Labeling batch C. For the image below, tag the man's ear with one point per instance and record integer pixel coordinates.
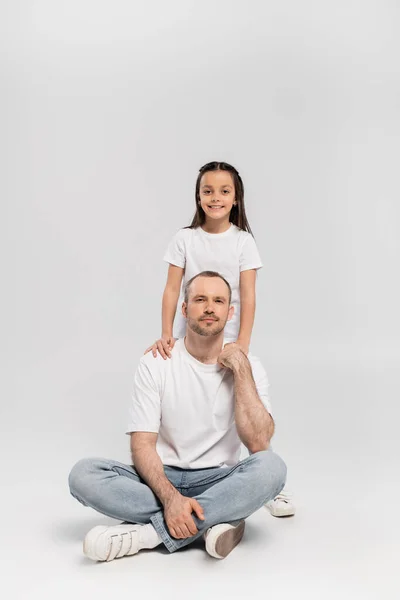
(184, 309)
(230, 312)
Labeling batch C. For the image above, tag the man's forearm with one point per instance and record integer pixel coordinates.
(254, 424)
(149, 466)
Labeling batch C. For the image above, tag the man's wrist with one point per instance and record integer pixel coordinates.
(242, 365)
(168, 495)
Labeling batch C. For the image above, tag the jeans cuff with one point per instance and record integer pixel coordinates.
(159, 526)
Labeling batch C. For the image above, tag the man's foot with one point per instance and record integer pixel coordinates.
(221, 539)
(281, 505)
(107, 543)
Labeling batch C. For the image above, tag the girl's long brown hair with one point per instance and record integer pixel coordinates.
(238, 214)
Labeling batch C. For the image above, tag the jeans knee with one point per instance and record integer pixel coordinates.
(273, 470)
(78, 475)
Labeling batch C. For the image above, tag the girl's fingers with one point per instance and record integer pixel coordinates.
(161, 350)
(152, 348)
(166, 348)
(163, 347)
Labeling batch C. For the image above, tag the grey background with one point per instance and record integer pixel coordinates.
(108, 111)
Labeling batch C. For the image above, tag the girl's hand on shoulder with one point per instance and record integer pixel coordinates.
(164, 346)
(244, 346)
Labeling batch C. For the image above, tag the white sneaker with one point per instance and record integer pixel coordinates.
(107, 543)
(281, 505)
(221, 539)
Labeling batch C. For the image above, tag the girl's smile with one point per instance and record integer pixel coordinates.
(217, 195)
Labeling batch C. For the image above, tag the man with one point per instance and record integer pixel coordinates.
(188, 418)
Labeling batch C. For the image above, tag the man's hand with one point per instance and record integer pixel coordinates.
(178, 516)
(232, 356)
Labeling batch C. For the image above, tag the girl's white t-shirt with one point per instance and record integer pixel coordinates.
(191, 406)
(229, 253)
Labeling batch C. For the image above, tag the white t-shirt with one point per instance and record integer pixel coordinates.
(191, 407)
(229, 253)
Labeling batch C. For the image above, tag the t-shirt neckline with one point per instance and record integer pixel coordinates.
(212, 368)
(217, 235)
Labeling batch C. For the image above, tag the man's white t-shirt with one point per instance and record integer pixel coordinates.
(191, 406)
(229, 253)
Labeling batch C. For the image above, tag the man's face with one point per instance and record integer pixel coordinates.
(208, 310)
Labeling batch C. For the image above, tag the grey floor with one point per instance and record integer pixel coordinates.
(342, 452)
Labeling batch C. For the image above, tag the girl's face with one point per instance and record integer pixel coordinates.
(217, 194)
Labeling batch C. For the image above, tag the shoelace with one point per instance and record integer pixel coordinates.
(121, 544)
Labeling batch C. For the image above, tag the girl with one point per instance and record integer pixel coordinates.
(218, 239)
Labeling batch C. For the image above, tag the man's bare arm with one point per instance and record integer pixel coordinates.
(149, 466)
(254, 424)
(177, 508)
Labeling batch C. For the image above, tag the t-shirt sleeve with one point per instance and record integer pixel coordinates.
(249, 256)
(175, 253)
(261, 381)
(145, 409)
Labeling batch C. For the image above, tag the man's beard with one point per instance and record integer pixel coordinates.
(196, 327)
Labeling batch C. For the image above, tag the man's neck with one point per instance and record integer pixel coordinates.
(203, 348)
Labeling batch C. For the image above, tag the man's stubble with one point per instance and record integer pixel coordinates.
(196, 327)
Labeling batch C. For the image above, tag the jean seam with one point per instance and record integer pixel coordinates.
(160, 528)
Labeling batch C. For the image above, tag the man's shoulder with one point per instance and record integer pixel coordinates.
(256, 364)
(157, 364)
(151, 363)
(254, 358)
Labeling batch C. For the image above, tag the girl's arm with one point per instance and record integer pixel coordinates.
(169, 303)
(247, 306)
(170, 299)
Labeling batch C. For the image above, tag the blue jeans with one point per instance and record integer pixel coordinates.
(226, 494)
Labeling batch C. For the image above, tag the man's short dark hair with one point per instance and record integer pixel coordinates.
(205, 274)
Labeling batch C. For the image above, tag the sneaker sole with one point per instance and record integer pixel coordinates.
(281, 513)
(227, 541)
